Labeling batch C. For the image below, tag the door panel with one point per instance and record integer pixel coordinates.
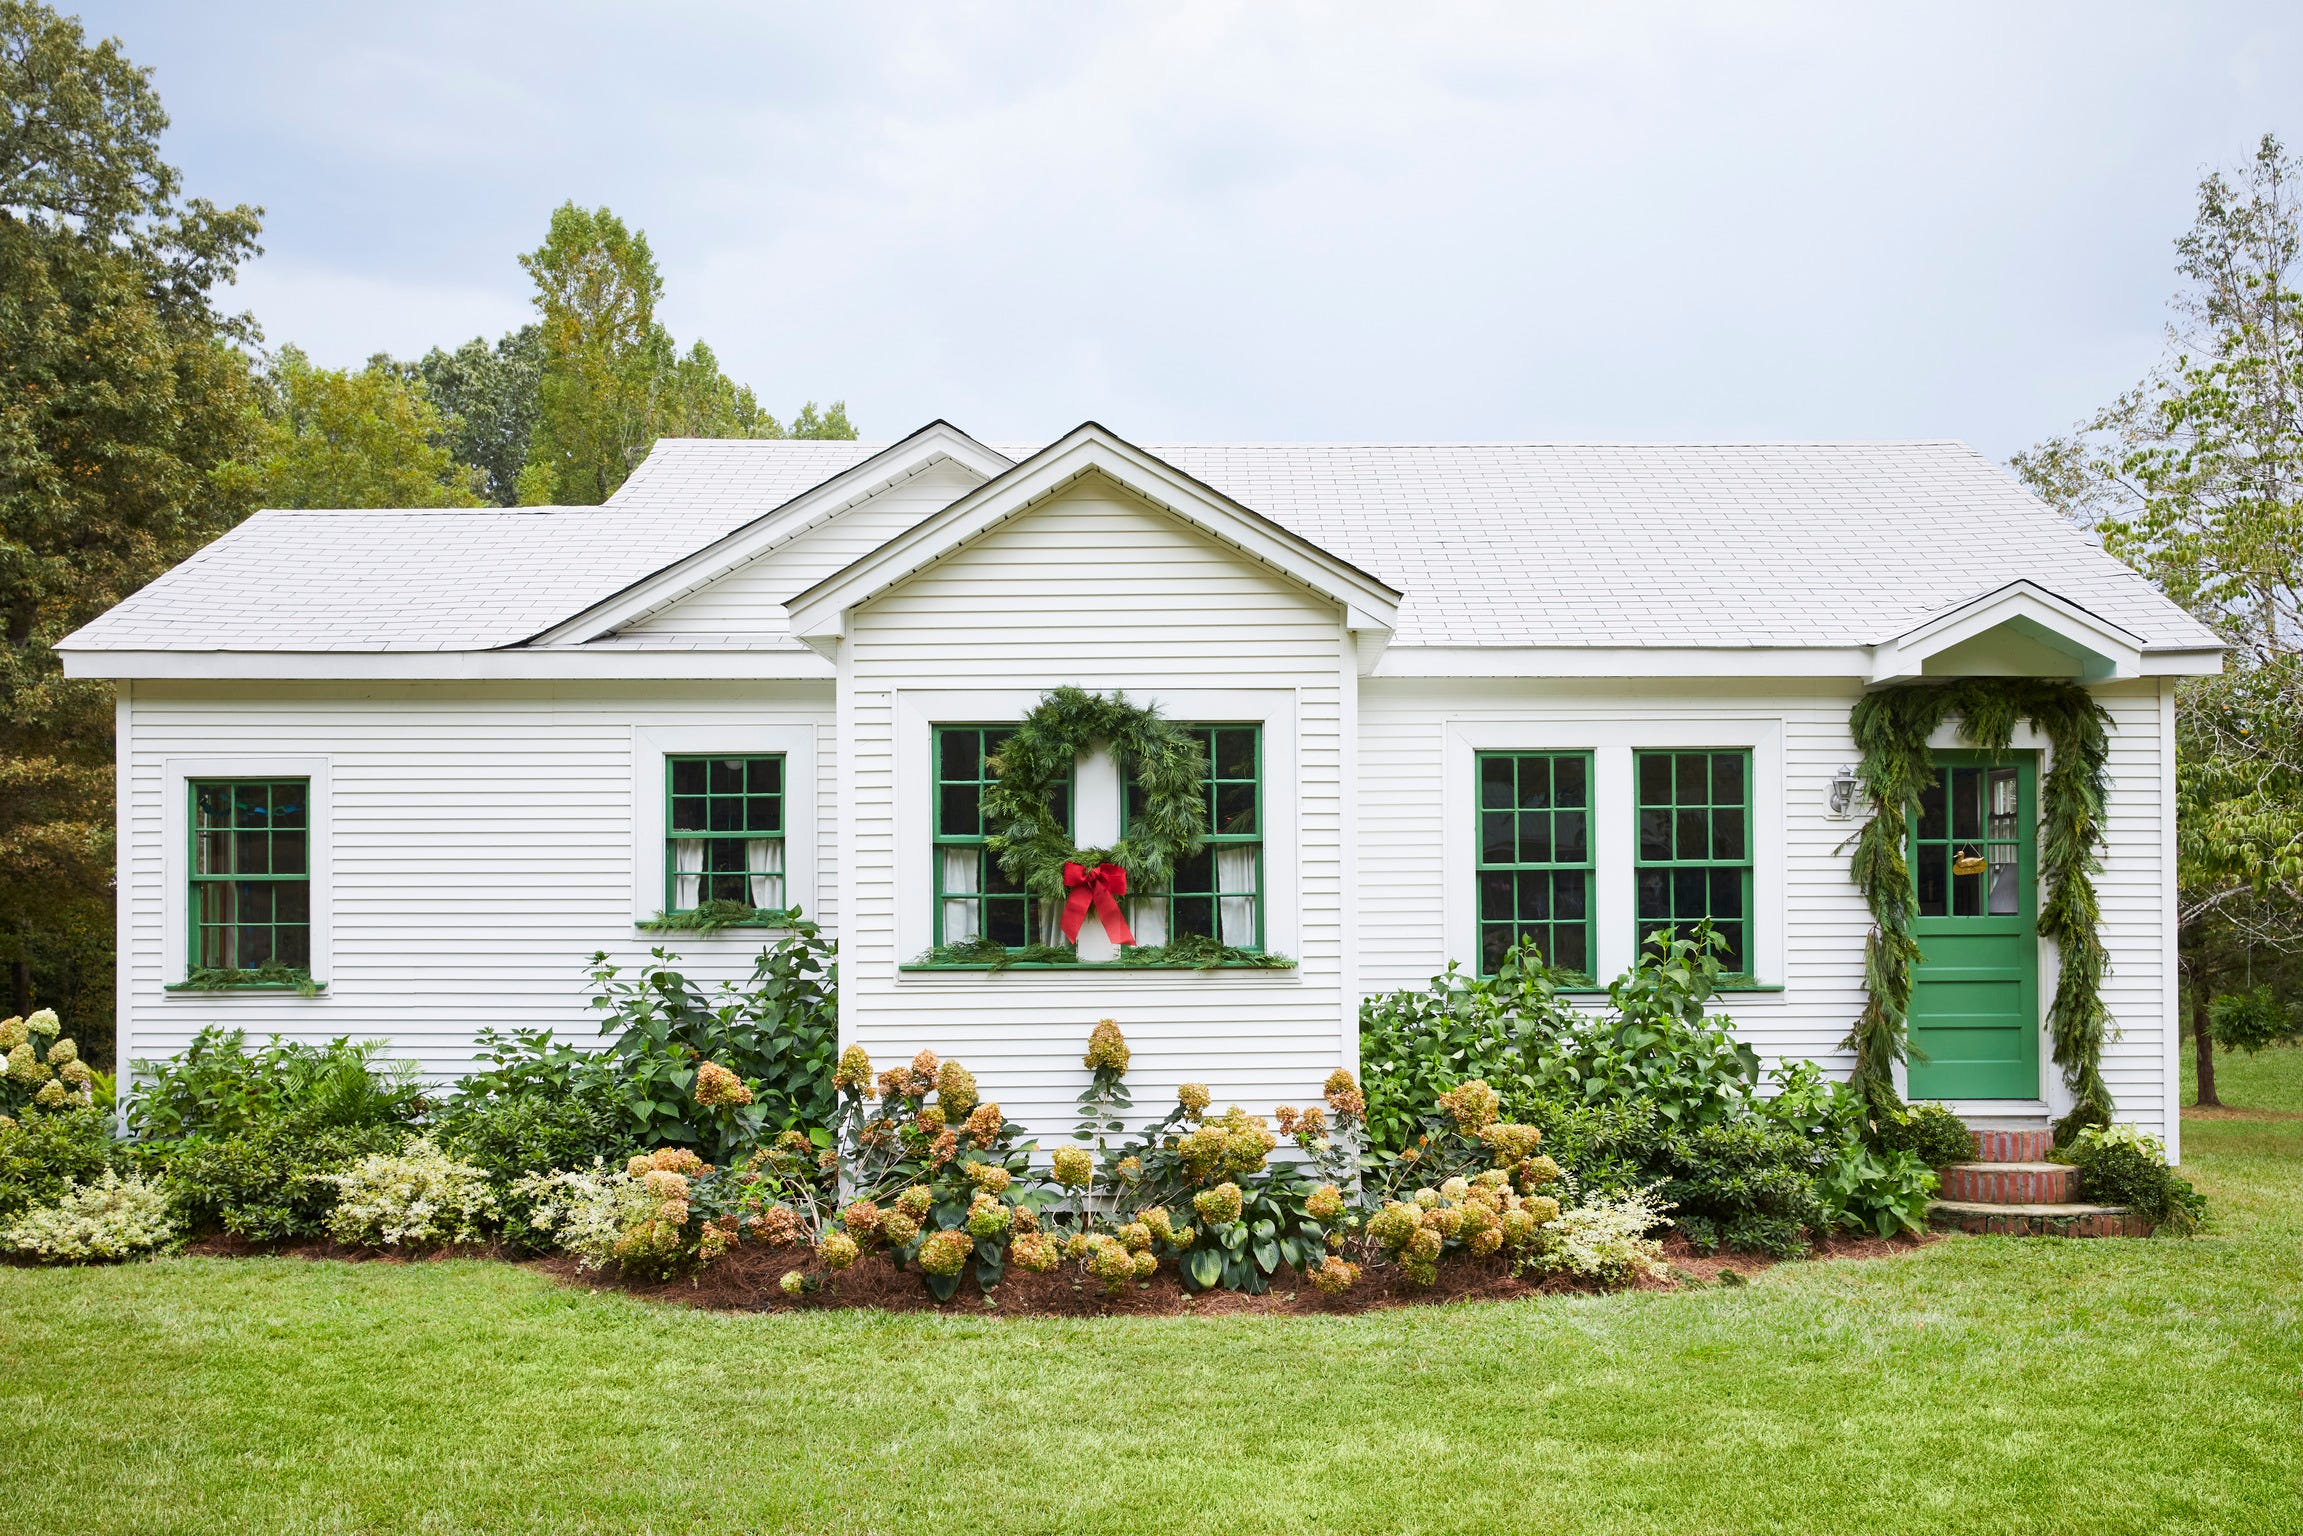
(1975, 989)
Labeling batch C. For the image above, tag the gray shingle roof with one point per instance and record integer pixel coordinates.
(1566, 544)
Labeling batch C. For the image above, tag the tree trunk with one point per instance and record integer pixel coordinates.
(2203, 1045)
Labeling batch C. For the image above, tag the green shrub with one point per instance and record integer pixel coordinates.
(1415, 1044)
(1929, 1132)
(1747, 1185)
(2249, 1021)
(2119, 1165)
(43, 1152)
(1606, 1150)
(539, 1106)
(269, 1184)
(1881, 1192)
(219, 1088)
(417, 1197)
(777, 1032)
(111, 1219)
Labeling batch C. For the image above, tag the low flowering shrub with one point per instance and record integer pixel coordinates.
(641, 1216)
(114, 1218)
(1605, 1240)
(2119, 1165)
(416, 1197)
(39, 1070)
(270, 1184)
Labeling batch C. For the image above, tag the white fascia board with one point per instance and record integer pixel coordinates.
(649, 663)
(852, 487)
(2106, 652)
(820, 613)
(1623, 661)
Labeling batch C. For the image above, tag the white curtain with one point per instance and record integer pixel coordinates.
(764, 864)
(1147, 919)
(961, 867)
(687, 873)
(1235, 908)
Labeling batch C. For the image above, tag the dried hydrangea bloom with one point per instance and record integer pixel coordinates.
(12, 1032)
(863, 1218)
(1311, 1123)
(1023, 1218)
(51, 1094)
(1446, 1220)
(854, 1073)
(1218, 1205)
(24, 1068)
(1107, 1051)
(1536, 1172)
(946, 1253)
(1424, 1246)
(987, 1217)
(1146, 1265)
(1131, 1169)
(985, 1125)
(1034, 1251)
(836, 1250)
(947, 1147)
(1543, 1208)
(895, 1083)
(1518, 1227)
(992, 1178)
(1392, 1226)
(44, 1023)
(1285, 1118)
(1508, 1143)
(1324, 1203)
(1109, 1261)
(793, 1283)
(777, 1225)
(1193, 1097)
(717, 1087)
(1154, 1219)
(1335, 1276)
(916, 1201)
(1135, 1237)
(1427, 1198)
(77, 1074)
(639, 1165)
(61, 1052)
(678, 1160)
(955, 1090)
(932, 1119)
(1455, 1188)
(1474, 1106)
(1073, 1167)
(924, 1065)
(898, 1228)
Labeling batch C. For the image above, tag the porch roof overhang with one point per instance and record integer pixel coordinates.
(2024, 629)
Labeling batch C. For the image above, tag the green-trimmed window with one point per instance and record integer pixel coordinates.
(1694, 859)
(974, 898)
(1218, 892)
(251, 874)
(724, 831)
(1535, 857)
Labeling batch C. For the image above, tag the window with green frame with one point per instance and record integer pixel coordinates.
(974, 897)
(724, 831)
(1535, 857)
(1217, 893)
(1694, 856)
(251, 874)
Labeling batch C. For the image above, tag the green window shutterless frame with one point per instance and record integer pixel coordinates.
(1693, 859)
(1217, 893)
(724, 831)
(974, 897)
(1535, 857)
(251, 874)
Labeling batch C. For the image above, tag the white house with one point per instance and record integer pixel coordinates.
(1457, 693)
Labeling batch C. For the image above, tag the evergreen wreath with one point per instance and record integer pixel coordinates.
(1891, 727)
(1168, 825)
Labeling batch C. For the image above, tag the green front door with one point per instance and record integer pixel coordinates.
(1975, 989)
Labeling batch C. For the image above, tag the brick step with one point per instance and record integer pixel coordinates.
(2013, 1146)
(2041, 1220)
(2010, 1183)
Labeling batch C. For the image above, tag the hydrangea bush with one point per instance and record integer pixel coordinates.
(43, 1070)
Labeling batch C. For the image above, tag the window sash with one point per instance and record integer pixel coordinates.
(1706, 831)
(1517, 863)
(250, 874)
(1225, 901)
(973, 897)
(732, 848)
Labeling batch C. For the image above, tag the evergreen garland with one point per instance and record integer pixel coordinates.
(1891, 727)
(1165, 758)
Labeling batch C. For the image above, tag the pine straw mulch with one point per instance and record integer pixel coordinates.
(746, 1280)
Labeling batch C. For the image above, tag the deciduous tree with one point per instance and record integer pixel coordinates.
(338, 438)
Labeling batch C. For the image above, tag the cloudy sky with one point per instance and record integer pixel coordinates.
(1267, 221)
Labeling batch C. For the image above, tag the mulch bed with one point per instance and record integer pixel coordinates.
(745, 1280)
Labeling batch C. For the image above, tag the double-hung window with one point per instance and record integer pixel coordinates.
(1217, 893)
(1535, 857)
(724, 834)
(975, 900)
(1694, 847)
(251, 874)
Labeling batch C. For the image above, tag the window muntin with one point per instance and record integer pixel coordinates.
(1534, 863)
(975, 899)
(724, 830)
(251, 896)
(1217, 893)
(1967, 851)
(1693, 859)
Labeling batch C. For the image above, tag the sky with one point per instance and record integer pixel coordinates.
(1266, 222)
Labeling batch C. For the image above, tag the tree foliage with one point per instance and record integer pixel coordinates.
(2195, 477)
(333, 437)
(486, 398)
(126, 395)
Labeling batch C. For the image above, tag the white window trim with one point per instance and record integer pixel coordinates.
(919, 711)
(1611, 741)
(178, 774)
(651, 810)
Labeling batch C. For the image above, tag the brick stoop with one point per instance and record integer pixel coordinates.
(2012, 1189)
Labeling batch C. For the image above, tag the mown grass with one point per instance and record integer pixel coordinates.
(1982, 1384)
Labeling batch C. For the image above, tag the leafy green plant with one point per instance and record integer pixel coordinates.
(1929, 1132)
(1881, 1192)
(1748, 1185)
(268, 1184)
(2250, 1021)
(1659, 1047)
(102, 1222)
(1417, 1043)
(2119, 1165)
(42, 1153)
(218, 1087)
(719, 913)
(211, 978)
(777, 1032)
(416, 1197)
(537, 1106)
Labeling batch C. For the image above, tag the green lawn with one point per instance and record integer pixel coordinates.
(1984, 1384)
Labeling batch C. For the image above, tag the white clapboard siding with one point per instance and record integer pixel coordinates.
(1096, 588)
(749, 600)
(481, 850)
(1403, 869)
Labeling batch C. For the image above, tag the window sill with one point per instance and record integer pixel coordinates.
(293, 988)
(932, 967)
(1595, 990)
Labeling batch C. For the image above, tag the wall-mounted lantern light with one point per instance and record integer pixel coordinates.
(1843, 788)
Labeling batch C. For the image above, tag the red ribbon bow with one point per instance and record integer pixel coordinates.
(1102, 886)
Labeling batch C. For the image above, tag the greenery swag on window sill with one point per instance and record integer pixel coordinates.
(721, 913)
(265, 978)
(1192, 952)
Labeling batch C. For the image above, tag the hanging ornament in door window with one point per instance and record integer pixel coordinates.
(1968, 862)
